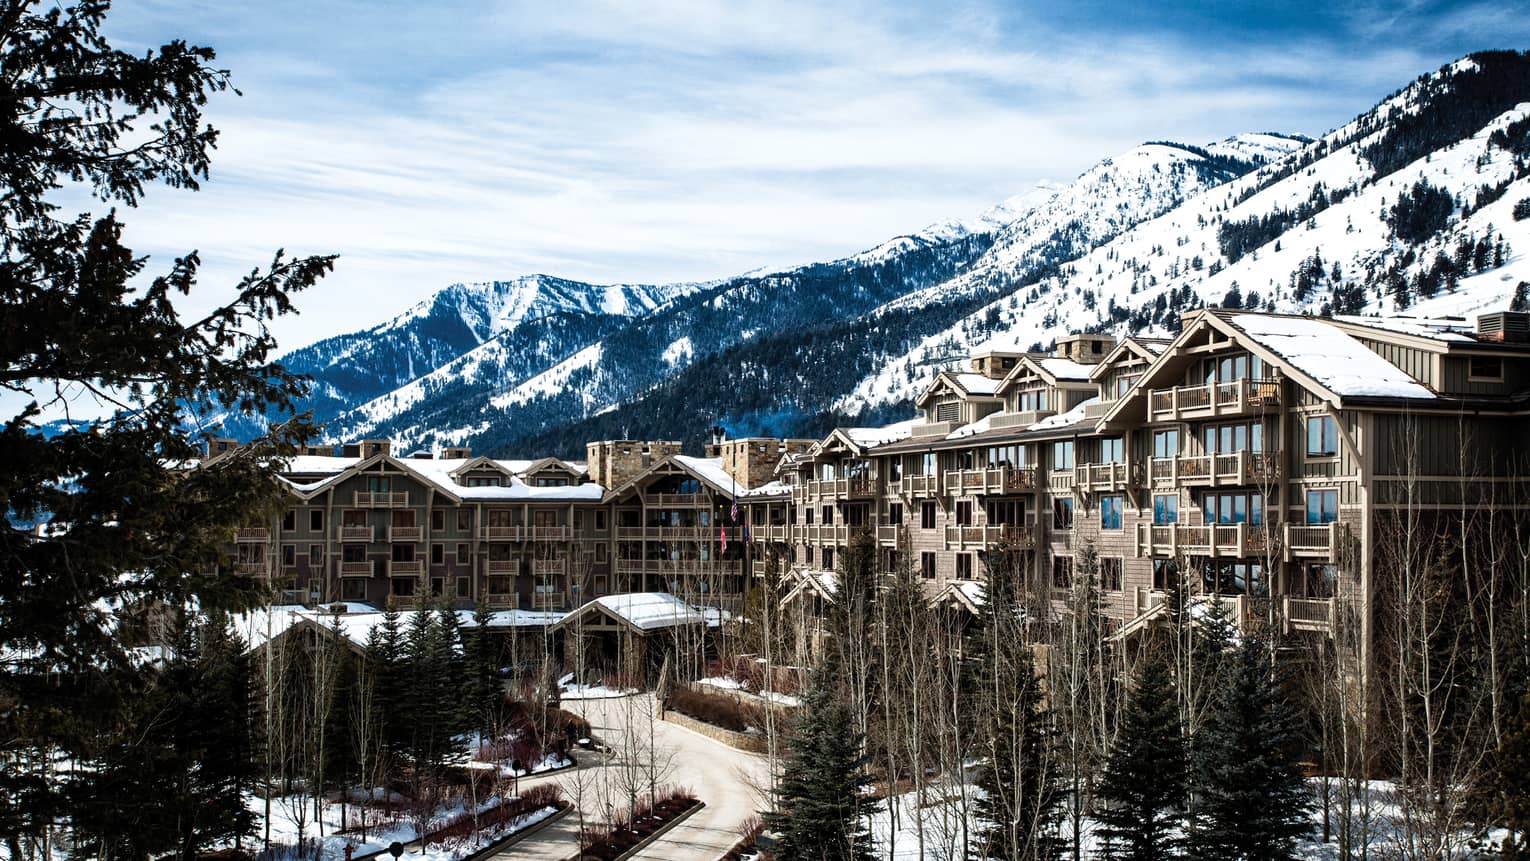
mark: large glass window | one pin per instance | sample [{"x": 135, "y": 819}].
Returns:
[
  {"x": 1165, "y": 508},
  {"x": 1062, "y": 454},
  {"x": 1228, "y": 439},
  {"x": 1322, "y": 506},
  {"x": 1110, "y": 573},
  {"x": 1233, "y": 577},
  {"x": 1322, "y": 436},
  {"x": 1032, "y": 399},
  {"x": 1062, "y": 572},
  {"x": 1062, "y": 512},
  {"x": 1110, "y": 512},
  {"x": 1166, "y": 443},
  {"x": 1112, "y": 450},
  {"x": 1240, "y": 366},
  {"x": 1230, "y": 508}
]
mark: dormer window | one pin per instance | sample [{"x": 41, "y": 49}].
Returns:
[
  {"x": 1124, "y": 384},
  {"x": 1032, "y": 399}
]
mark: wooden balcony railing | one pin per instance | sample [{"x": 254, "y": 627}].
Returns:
[
  {"x": 1223, "y": 470},
  {"x": 679, "y": 566},
  {"x": 980, "y": 537},
  {"x": 355, "y": 533},
  {"x": 381, "y": 499},
  {"x": 922, "y": 485},
  {"x": 405, "y": 534},
  {"x": 502, "y": 566},
  {"x": 356, "y": 569},
  {"x": 551, "y": 533},
  {"x": 502, "y": 533},
  {"x": 818, "y": 533},
  {"x": 411, "y": 568},
  {"x": 1102, "y": 477},
  {"x": 1323, "y": 540},
  {"x": 678, "y": 500},
  {"x": 993, "y": 480},
  {"x": 256, "y": 535},
  {"x": 666, "y": 533},
  {"x": 1238, "y": 397},
  {"x": 1308, "y": 614},
  {"x": 549, "y": 600},
  {"x": 548, "y": 567},
  {"x": 1179, "y": 539},
  {"x": 776, "y": 532},
  {"x": 887, "y": 536},
  {"x": 250, "y": 567}
]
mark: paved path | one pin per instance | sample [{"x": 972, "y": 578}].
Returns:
[{"x": 724, "y": 778}]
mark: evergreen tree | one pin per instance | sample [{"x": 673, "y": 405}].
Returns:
[
  {"x": 1513, "y": 780},
  {"x": 484, "y": 693},
  {"x": 81, "y": 312},
  {"x": 820, "y": 807},
  {"x": 385, "y": 655},
  {"x": 1020, "y": 807},
  {"x": 1143, "y": 787},
  {"x": 1252, "y": 803}
]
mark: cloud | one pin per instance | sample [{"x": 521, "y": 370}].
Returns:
[{"x": 608, "y": 141}]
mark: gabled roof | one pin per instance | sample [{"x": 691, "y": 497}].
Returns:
[
  {"x": 970, "y": 595},
  {"x": 639, "y": 612},
  {"x": 1052, "y": 370},
  {"x": 819, "y": 582},
  {"x": 708, "y": 470},
  {"x": 481, "y": 462},
  {"x": 1130, "y": 349},
  {"x": 858, "y": 441},
  {"x": 966, "y": 385},
  {"x": 439, "y": 475}
]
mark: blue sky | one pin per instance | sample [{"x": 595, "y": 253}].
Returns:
[{"x": 428, "y": 143}]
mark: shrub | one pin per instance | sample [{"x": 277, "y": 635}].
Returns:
[{"x": 719, "y": 710}]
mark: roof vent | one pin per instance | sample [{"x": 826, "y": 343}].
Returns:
[{"x": 1508, "y": 326}]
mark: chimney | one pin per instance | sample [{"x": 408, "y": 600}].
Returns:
[
  {"x": 217, "y": 446},
  {"x": 374, "y": 447},
  {"x": 1085, "y": 349},
  {"x": 456, "y": 452},
  {"x": 1510, "y": 327},
  {"x": 613, "y": 463},
  {"x": 994, "y": 364},
  {"x": 752, "y": 462}
]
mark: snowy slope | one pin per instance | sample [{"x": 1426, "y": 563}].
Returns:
[{"x": 1138, "y": 281}]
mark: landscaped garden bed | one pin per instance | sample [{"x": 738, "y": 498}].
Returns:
[
  {"x": 607, "y": 843},
  {"x": 721, "y": 711}
]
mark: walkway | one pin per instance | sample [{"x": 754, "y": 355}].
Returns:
[{"x": 724, "y": 778}]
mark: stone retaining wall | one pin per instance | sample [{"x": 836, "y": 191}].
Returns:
[
  {"x": 747, "y": 741},
  {"x": 741, "y": 696}
]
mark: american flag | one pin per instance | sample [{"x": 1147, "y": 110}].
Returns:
[{"x": 734, "y": 514}]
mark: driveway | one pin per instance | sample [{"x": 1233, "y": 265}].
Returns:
[{"x": 723, "y": 777}]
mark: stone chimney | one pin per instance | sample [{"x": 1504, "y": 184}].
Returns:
[
  {"x": 369, "y": 448},
  {"x": 613, "y": 463},
  {"x": 1085, "y": 349},
  {"x": 995, "y": 364},
  {"x": 752, "y": 462},
  {"x": 218, "y": 446},
  {"x": 456, "y": 452}
]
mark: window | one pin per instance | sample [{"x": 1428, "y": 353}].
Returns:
[
  {"x": 1229, "y": 439},
  {"x": 927, "y": 515},
  {"x": 809, "y": 556},
  {"x": 403, "y": 553},
  {"x": 378, "y": 484},
  {"x": 964, "y": 512},
  {"x": 483, "y": 481},
  {"x": 353, "y": 553},
  {"x": 579, "y": 520},
  {"x": 353, "y": 589},
  {"x": 1322, "y": 436},
  {"x": 438, "y": 554},
  {"x": 1166, "y": 443},
  {"x": 1005, "y": 512},
  {"x": 356, "y": 517},
  {"x": 1062, "y": 512},
  {"x": 1230, "y": 508},
  {"x": 1062, "y": 572},
  {"x": 464, "y": 587},
  {"x": 1062, "y": 454},
  {"x": 1110, "y": 573},
  {"x": 828, "y": 515},
  {"x": 403, "y": 587},
  {"x": 1486, "y": 368},
  {"x": 463, "y": 552},
  {"x": 600, "y": 553},
  {"x": 316, "y": 520},
  {"x": 438, "y": 519},
  {"x": 289, "y": 520},
  {"x": 927, "y": 565},
  {"x": 1319, "y": 580},
  {"x": 894, "y": 468},
  {"x": 964, "y": 566},
  {"x": 437, "y": 586},
  {"x": 464, "y": 520},
  {"x": 1226, "y": 369},
  {"x": 1110, "y": 511},
  {"x": 807, "y": 516},
  {"x": 1165, "y": 573},
  {"x": 600, "y": 520},
  {"x": 403, "y": 517},
  {"x": 1165, "y": 509},
  {"x": 1322, "y": 506},
  {"x": 828, "y": 557},
  {"x": 316, "y": 555},
  {"x": 1233, "y": 577},
  {"x": 1032, "y": 399},
  {"x": 927, "y": 463},
  {"x": 895, "y": 514},
  {"x": 1113, "y": 450},
  {"x": 1006, "y": 455},
  {"x": 1124, "y": 384},
  {"x": 289, "y": 555}
]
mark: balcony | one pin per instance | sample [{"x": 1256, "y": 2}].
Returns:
[
  {"x": 1221, "y": 470},
  {"x": 1023, "y": 418},
  {"x": 983, "y": 537},
  {"x": 665, "y": 533},
  {"x": 549, "y": 600},
  {"x": 775, "y": 532},
  {"x": 249, "y": 567},
  {"x": 381, "y": 499},
  {"x": 1236, "y": 398},
  {"x": 678, "y": 566},
  {"x": 412, "y": 568},
  {"x": 818, "y": 533},
  {"x": 922, "y": 485},
  {"x": 1179, "y": 539},
  {"x": 994, "y": 480},
  {"x": 1102, "y": 477},
  {"x": 677, "y": 500},
  {"x": 405, "y": 534},
  {"x": 356, "y": 569},
  {"x": 887, "y": 536},
  {"x": 355, "y": 533},
  {"x": 859, "y": 487},
  {"x": 1308, "y": 614},
  {"x": 252, "y": 536},
  {"x": 502, "y": 567},
  {"x": 502, "y": 533},
  {"x": 548, "y": 567},
  {"x": 551, "y": 533},
  {"x": 1061, "y": 480},
  {"x": 1317, "y": 541}
]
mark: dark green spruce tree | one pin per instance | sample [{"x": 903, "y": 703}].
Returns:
[
  {"x": 81, "y": 314},
  {"x": 820, "y": 807},
  {"x": 1252, "y": 804},
  {"x": 1020, "y": 807},
  {"x": 485, "y": 696},
  {"x": 1142, "y": 792}
]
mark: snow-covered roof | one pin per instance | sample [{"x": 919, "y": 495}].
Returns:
[
  {"x": 1330, "y": 356},
  {"x": 872, "y": 437},
  {"x": 771, "y": 488},
  {"x": 1065, "y": 369},
  {"x": 645, "y": 611},
  {"x": 310, "y": 464},
  {"x": 970, "y": 429},
  {"x": 1062, "y": 420},
  {"x": 710, "y": 470},
  {"x": 357, "y": 621},
  {"x": 1454, "y": 329},
  {"x": 976, "y": 384},
  {"x": 442, "y": 473}
]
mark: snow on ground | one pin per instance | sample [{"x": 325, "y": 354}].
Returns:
[{"x": 728, "y": 683}]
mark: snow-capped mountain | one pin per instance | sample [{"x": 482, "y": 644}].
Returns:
[{"x": 1411, "y": 204}]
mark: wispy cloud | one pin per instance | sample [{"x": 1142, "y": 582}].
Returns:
[{"x": 428, "y": 143}]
